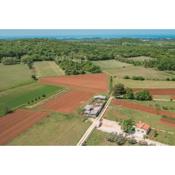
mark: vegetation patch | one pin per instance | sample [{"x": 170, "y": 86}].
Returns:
[
  {"x": 25, "y": 95},
  {"x": 56, "y": 129}
]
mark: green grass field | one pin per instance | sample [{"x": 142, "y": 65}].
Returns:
[
  {"x": 47, "y": 68},
  {"x": 145, "y": 84},
  {"x": 117, "y": 113},
  {"x": 57, "y": 129},
  {"x": 22, "y": 95},
  {"x": 120, "y": 69},
  {"x": 14, "y": 75}
]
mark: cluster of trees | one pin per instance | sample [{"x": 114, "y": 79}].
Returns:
[
  {"x": 9, "y": 60},
  {"x": 134, "y": 77},
  {"x": 119, "y": 91},
  {"x": 162, "y": 52},
  {"x": 72, "y": 67}
]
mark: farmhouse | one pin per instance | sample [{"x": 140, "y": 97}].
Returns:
[
  {"x": 142, "y": 129},
  {"x": 93, "y": 109}
]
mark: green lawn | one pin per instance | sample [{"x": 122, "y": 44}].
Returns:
[
  {"x": 57, "y": 129},
  {"x": 47, "y": 68},
  {"x": 22, "y": 95},
  {"x": 118, "y": 113},
  {"x": 120, "y": 69},
  {"x": 14, "y": 75}
]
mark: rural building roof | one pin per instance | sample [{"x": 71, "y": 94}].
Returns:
[
  {"x": 100, "y": 97},
  {"x": 142, "y": 125}
]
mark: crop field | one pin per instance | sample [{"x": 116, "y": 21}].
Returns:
[
  {"x": 14, "y": 75},
  {"x": 145, "y": 84},
  {"x": 166, "y": 133},
  {"x": 57, "y": 129},
  {"x": 24, "y": 95},
  {"x": 47, "y": 68},
  {"x": 120, "y": 69}
]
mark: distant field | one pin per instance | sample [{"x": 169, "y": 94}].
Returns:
[
  {"x": 22, "y": 95},
  {"x": 121, "y": 69},
  {"x": 57, "y": 129},
  {"x": 14, "y": 75},
  {"x": 140, "y": 58},
  {"x": 116, "y": 112},
  {"x": 47, "y": 68},
  {"x": 145, "y": 84}
]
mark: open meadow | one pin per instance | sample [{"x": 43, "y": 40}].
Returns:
[
  {"x": 47, "y": 68},
  {"x": 56, "y": 129},
  {"x": 120, "y": 70},
  {"x": 14, "y": 75}
]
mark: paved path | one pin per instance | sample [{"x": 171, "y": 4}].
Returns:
[{"x": 94, "y": 124}]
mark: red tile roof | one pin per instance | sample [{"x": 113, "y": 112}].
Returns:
[{"x": 142, "y": 125}]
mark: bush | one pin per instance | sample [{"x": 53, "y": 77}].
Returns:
[
  {"x": 112, "y": 137},
  {"x": 119, "y": 90},
  {"x": 143, "y": 95},
  {"x": 121, "y": 140},
  {"x": 126, "y": 77},
  {"x": 128, "y": 125},
  {"x": 138, "y": 78},
  {"x": 9, "y": 60},
  {"x": 143, "y": 143},
  {"x": 34, "y": 77},
  {"x": 44, "y": 95},
  {"x": 129, "y": 94},
  {"x": 167, "y": 79},
  {"x": 132, "y": 141}
]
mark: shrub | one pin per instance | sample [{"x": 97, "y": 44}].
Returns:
[
  {"x": 126, "y": 77},
  {"x": 143, "y": 95},
  {"x": 132, "y": 141},
  {"x": 128, "y": 125},
  {"x": 9, "y": 60},
  {"x": 129, "y": 94},
  {"x": 138, "y": 78},
  {"x": 118, "y": 90},
  {"x": 121, "y": 140},
  {"x": 5, "y": 110},
  {"x": 167, "y": 79},
  {"x": 112, "y": 137},
  {"x": 44, "y": 95}
]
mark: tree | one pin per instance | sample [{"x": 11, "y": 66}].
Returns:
[
  {"x": 9, "y": 60},
  {"x": 119, "y": 90},
  {"x": 121, "y": 139},
  {"x": 110, "y": 84},
  {"x": 143, "y": 95},
  {"x": 26, "y": 59},
  {"x": 129, "y": 94},
  {"x": 128, "y": 125}
]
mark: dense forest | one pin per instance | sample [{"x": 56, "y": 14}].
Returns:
[{"x": 75, "y": 56}]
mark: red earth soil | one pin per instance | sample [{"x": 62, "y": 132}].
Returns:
[
  {"x": 15, "y": 123},
  {"x": 167, "y": 122},
  {"x": 156, "y": 91},
  {"x": 67, "y": 102},
  {"x": 141, "y": 107},
  {"x": 87, "y": 81}
]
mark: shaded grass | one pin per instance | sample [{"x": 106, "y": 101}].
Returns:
[{"x": 57, "y": 129}]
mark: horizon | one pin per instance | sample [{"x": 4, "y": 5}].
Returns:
[{"x": 87, "y": 33}]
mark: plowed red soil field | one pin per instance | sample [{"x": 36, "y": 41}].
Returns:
[
  {"x": 89, "y": 82},
  {"x": 13, "y": 124},
  {"x": 158, "y": 91},
  {"x": 167, "y": 122},
  {"x": 82, "y": 87},
  {"x": 141, "y": 107},
  {"x": 67, "y": 102}
]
